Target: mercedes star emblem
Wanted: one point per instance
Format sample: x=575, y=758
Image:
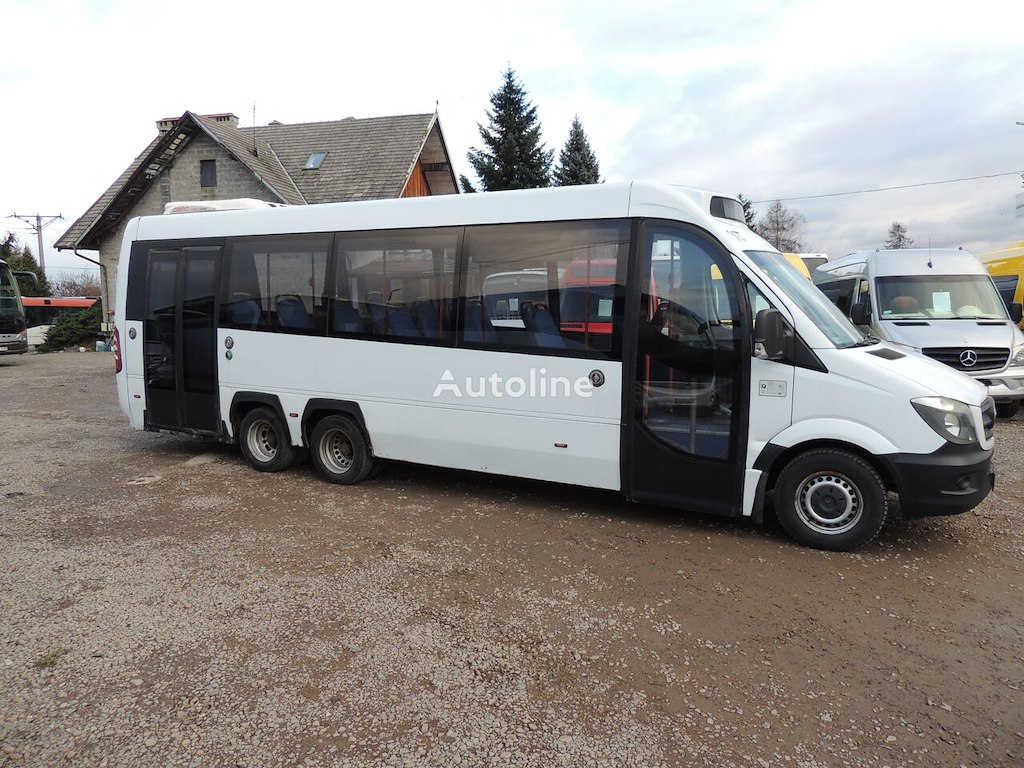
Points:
x=968, y=358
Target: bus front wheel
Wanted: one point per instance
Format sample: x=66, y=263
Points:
x=265, y=442
x=339, y=450
x=830, y=499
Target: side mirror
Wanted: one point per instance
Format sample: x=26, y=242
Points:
x=1016, y=312
x=769, y=335
x=32, y=277
x=860, y=314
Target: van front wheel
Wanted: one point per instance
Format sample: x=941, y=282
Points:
x=1007, y=409
x=830, y=499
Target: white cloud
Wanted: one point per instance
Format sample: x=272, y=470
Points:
x=773, y=100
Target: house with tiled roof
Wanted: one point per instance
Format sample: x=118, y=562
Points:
x=209, y=157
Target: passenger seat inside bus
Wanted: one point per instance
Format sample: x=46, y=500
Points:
x=427, y=318
x=400, y=323
x=541, y=324
x=246, y=313
x=345, y=318
x=292, y=313
x=477, y=326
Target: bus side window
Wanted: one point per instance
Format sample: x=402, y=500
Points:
x=551, y=286
x=276, y=282
x=394, y=284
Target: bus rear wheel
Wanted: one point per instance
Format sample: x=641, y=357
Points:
x=339, y=450
x=265, y=442
x=831, y=499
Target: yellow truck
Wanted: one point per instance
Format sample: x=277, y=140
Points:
x=1007, y=270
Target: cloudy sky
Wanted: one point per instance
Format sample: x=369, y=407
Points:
x=798, y=101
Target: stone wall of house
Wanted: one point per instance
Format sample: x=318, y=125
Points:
x=177, y=182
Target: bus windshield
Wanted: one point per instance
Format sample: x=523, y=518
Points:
x=13, y=333
x=939, y=297
x=822, y=312
x=10, y=295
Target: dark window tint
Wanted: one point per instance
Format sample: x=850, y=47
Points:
x=277, y=282
x=208, y=173
x=551, y=286
x=841, y=293
x=395, y=284
x=1007, y=287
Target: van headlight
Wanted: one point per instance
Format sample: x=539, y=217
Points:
x=1017, y=358
x=950, y=418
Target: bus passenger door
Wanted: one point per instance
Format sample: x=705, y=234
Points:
x=179, y=340
x=685, y=412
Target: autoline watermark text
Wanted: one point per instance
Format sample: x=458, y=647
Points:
x=537, y=383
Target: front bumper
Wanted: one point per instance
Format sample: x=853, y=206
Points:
x=1005, y=385
x=954, y=479
x=14, y=346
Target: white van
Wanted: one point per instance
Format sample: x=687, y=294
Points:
x=940, y=303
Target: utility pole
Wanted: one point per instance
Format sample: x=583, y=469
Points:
x=36, y=224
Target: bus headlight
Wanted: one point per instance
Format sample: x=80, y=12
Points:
x=950, y=418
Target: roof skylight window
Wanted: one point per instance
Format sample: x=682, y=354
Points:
x=316, y=159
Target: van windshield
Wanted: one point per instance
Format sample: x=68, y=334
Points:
x=822, y=312
x=939, y=297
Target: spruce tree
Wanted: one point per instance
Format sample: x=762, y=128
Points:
x=577, y=163
x=513, y=156
x=20, y=259
x=749, y=214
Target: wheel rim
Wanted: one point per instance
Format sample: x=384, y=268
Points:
x=829, y=503
x=336, y=452
x=261, y=441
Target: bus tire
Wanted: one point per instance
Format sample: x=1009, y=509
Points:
x=832, y=499
x=339, y=450
x=265, y=441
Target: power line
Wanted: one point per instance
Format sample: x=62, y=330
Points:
x=37, y=226
x=889, y=189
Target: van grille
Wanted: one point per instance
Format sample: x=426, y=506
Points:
x=986, y=358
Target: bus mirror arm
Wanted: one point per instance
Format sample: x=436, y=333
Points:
x=1016, y=312
x=769, y=335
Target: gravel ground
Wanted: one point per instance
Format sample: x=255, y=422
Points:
x=162, y=604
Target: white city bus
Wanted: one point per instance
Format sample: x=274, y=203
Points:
x=704, y=373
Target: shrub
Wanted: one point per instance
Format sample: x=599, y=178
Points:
x=72, y=329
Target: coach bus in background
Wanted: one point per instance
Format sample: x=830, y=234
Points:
x=631, y=337
x=43, y=310
x=13, y=329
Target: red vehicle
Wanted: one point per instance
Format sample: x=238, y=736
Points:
x=43, y=310
x=587, y=296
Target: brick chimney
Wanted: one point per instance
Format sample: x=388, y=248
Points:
x=167, y=123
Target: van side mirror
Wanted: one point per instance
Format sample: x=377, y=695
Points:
x=860, y=314
x=769, y=335
x=1016, y=312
